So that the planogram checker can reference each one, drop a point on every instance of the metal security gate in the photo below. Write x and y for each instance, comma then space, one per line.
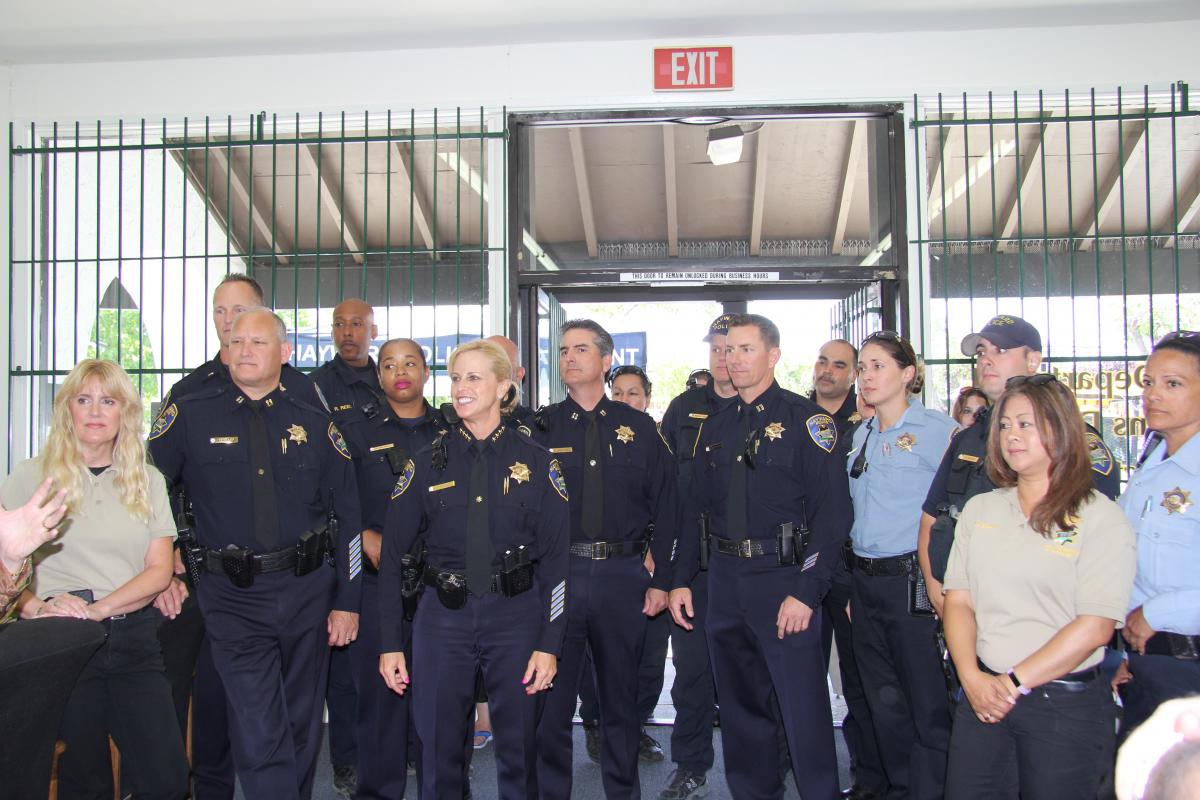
119, 232
1078, 213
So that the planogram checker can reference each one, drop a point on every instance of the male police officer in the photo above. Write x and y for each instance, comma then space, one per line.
621, 480
522, 414
265, 471
833, 390
1006, 347
692, 692
769, 472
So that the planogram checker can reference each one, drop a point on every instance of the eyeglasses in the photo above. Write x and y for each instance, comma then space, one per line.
627, 369
1040, 379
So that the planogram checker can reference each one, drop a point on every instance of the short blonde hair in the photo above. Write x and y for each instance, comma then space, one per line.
501, 368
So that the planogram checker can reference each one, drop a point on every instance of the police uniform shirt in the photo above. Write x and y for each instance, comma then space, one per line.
798, 475
846, 417
639, 481
1105, 475
203, 440
351, 392
691, 409
527, 506
1160, 502
898, 467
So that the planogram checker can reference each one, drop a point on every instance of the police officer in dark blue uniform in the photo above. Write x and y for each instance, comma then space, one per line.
769, 472
1006, 347
692, 691
382, 445
521, 414
485, 508
186, 652
622, 481
270, 479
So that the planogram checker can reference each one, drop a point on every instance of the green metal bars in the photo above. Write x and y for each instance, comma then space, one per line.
120, 231
1079, 214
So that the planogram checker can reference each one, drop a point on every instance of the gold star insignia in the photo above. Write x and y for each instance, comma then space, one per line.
906, 442
625, 433
774, 430
519, 472
854, 418
1176, 501
297, 434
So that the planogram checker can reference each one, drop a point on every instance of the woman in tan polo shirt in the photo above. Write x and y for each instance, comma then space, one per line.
113, 557
1039, 576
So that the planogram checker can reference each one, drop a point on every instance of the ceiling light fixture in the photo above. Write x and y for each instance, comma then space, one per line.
725, 144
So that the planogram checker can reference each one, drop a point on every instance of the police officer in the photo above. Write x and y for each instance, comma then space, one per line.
489, 507
692, 692
186, 651
1162, 630
622, 481
892, 460
521, 413
833, 390
1007, 346
381, 446
265, 470
768, 471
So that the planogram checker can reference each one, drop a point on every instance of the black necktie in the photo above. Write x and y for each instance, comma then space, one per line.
735, 511
592, 510
262, 480
479, 540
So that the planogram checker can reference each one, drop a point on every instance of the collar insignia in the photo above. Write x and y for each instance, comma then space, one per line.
625, 433
854, 418
1176, 501
297, 434
906, 441
774, 430
519, 472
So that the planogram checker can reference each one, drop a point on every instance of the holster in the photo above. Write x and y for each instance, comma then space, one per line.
238, 564
516, 576
311, 550
191, 553
918, 593
941, 539
452, 590
411, 569
705, 540
791, 543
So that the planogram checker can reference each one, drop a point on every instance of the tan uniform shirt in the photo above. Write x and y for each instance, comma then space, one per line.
1026, 587
101, 545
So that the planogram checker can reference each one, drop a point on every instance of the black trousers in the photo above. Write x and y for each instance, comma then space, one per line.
123, 692
1055, 744
651, 673
693, 693
1156, 679
898, 661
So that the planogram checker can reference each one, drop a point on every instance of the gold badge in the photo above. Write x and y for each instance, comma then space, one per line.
625, 433
1176, 501
854, 418
774, 430
297, 434
906, 442
519, 472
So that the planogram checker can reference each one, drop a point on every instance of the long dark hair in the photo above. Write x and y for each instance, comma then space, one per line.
1060, 427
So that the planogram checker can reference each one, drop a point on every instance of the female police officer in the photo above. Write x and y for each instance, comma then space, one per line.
892, 461
489, 507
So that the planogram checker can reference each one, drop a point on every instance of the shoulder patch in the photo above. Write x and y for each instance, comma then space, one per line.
822, 431
556, 479
339, 442
166, 418
1099, 454
405, 479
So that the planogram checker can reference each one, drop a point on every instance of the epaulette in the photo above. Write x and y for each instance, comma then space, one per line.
302, 402
205, 393
542, 414
449, 415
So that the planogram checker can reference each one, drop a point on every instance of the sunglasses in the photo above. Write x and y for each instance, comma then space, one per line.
1189, 338
910, 355
628, 369
1040, 379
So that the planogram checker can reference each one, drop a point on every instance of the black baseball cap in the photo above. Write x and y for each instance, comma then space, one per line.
719, 327
1006, 332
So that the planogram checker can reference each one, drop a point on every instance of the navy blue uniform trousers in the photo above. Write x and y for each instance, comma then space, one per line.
762, 680
495, 635
604, 613
693, 693
270, 646
384, 717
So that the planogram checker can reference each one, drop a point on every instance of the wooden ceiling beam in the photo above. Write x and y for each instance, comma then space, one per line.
309, 154
585, 192
858, 138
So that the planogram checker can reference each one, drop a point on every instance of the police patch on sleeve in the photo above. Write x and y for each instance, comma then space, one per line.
339, 442
1099, 454
822, 431
166, 418
556, 479
402, 483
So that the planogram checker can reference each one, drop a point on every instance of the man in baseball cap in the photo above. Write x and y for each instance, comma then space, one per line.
1005, 332
719, 327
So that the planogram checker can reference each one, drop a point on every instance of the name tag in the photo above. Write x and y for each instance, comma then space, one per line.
562, 449
441, 486
968, 457
223, 440
346, 407
379, 447
694, 415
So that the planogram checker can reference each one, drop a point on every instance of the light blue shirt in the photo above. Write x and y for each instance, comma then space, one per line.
901, 463
1162, 502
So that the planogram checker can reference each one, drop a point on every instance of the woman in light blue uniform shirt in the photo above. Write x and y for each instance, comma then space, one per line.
1162, 631
892, 461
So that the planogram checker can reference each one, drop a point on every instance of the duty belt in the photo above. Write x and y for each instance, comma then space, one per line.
747, 548
893, 565
276, 561
1176, 645
433, 576
598, 551
1069, 681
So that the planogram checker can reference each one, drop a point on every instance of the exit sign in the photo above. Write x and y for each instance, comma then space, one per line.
684, 69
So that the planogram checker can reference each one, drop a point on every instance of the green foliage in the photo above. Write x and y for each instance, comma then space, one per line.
123, 338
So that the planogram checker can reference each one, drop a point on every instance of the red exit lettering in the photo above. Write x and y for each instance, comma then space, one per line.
692, 68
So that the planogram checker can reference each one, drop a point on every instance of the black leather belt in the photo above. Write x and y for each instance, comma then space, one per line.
747, 548
1176, 645
598, 551
893, 565
1069, 680
276, 561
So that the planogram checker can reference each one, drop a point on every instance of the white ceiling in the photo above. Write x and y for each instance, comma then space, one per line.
34, 31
